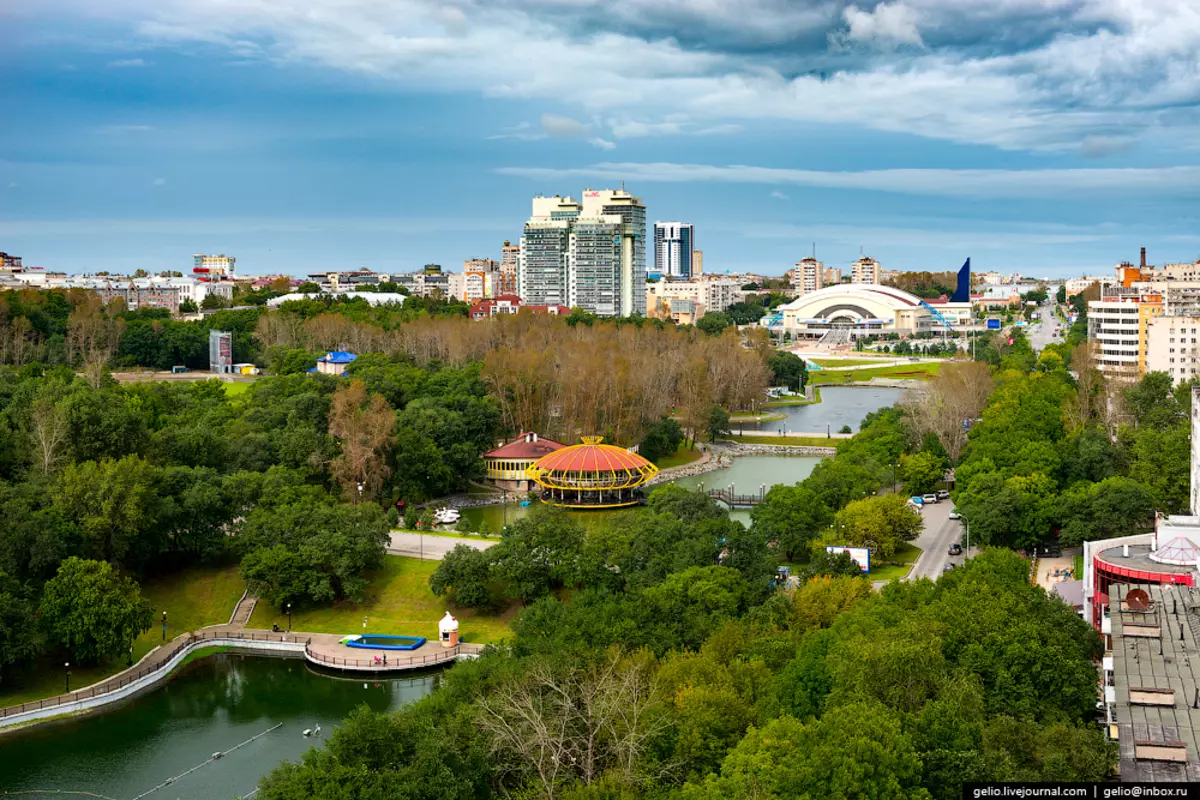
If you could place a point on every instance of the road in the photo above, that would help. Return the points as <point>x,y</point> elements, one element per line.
<point>1043,334</point>
<point>935,540</point>
<point>433,548</point>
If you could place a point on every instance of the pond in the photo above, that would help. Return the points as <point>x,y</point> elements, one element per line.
<point>747,474</point>
<point>840,405</point>
<point>213,705</point>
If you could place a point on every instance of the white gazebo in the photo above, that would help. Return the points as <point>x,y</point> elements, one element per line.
<point>448,631</point>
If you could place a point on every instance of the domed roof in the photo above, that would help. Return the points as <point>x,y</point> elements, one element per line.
<point>1180,551</point>
<point>592,456</point>
<point>448,624</point>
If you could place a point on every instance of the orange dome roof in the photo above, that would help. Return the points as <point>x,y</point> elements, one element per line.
<point>592,456</point>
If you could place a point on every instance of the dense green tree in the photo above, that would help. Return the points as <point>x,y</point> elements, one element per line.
<point>312,552</point>
<point>1116,506</point>
<point>921,472</point>
<point>717,424</point>
<point>854,752</point>
<point>662,439</point>
<point>1152,403</point>
<point>880,523</point>
<point>714,322</point>
<point>92,612</point>
<point>465,572</point>
<point>787,369</point>
<point>19,640</point>
<point>113,504</point>
<point>792,517</point>
<point>1016,512</point>
<point>538,553</point>
<point>1160,461</point>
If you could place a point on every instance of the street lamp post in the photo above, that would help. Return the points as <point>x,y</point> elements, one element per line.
<point>67,667</point>
<point>164,638</point>
<point>360,491</point>
<point>893,477</point>
<point>364,624</point>
<point>289,617</point>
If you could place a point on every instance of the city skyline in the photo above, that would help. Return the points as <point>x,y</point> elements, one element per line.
<point>340,136</point>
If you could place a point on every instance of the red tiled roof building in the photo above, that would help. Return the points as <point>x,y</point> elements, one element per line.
<point>506,464</point>
<point>511,304</point>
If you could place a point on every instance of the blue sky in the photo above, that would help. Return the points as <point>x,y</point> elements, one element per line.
<point>1046,136</point>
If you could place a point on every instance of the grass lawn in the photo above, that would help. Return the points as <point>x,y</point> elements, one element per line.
<point>906,554</point>
<point>192,599</point>
<point>799,401</point>
<point>233,389</point>
<point>845,362</point>
<point>908,371</point>
<point>795,441</point>
<point>682,455</point>
<point>398,602</point>
<point>1079,567</point>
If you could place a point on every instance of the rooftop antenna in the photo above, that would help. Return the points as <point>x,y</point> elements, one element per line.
<point>814,251</point>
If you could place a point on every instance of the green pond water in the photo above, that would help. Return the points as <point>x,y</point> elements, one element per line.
<point>211,706</point>
<point>747,475</point>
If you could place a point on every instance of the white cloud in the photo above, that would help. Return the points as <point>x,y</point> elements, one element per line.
<point>889,24</point>
<point>12,184</point>
<point>603,144</point>
<point>778,195</point>
<point>990,183</point>
<point>1017,74</point>
<point>128,62</point>
<point>555,125</point>
<point>160,181</point>
<point>522,131</point>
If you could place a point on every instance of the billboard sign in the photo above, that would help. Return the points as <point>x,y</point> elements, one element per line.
<point>993,324</point>
<point>861,555</point>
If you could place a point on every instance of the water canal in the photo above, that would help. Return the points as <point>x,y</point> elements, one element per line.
<point>840,405</point>
<point>211,706</point>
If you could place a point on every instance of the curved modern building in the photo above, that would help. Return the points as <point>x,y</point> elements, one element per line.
<point>591,475</point>
<point>867,308</point>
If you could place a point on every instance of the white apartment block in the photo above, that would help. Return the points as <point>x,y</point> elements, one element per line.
<point>213,267</point>
<point>807,276</point>
<point>865,270</point>
<point>1173,347</point>
<point>1077,285</point>
<point>1113,326</point>
<point>707,294</point>
<point>590,255</point>
<point>673,249</point>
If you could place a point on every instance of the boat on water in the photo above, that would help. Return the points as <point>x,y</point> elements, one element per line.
<point>446,516</point>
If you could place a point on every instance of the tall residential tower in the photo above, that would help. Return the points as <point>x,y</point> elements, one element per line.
<point>590,255</point>
<point>674,244</point>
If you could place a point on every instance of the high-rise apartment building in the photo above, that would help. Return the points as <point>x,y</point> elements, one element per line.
<point>480,279</point>
<point>674,247</point>
<point>590,255</point>
<point>697,263</point>
<point>807,276</point>
<point>833,275</point>
<point>1173,347</point>
<point>510,258</point>
<point>865,270</point>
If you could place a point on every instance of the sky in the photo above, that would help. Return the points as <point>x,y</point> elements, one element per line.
<point>1050,137</point>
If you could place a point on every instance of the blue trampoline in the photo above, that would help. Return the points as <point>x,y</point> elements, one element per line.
<point>378,641</point>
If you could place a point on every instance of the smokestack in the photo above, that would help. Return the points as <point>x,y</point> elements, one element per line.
<point>1143,258</point>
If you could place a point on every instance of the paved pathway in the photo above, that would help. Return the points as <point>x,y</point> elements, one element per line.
<point>432,548</point>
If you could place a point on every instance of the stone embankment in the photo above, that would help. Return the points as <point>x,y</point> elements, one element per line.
<point>730,450</point>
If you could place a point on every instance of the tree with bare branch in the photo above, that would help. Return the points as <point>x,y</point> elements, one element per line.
<point>951,400</point>
<point>362,422</point>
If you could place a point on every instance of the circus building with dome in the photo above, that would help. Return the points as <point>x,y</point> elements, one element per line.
<point>1168,556</point>
<point>591,475</point>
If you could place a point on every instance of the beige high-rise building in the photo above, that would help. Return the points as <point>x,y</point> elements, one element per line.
<point>865,270</point>
<point>833,275</point>
<point>510,259</point>
<point>1173,347</point>
<point>697,263</point>
<point>807,276</point>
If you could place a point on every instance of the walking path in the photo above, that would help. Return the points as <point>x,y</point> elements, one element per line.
<point>432,548</point>
<point>324,649</point>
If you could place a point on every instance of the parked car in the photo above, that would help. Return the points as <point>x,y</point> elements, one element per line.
<point>929,498</point>
<point>949,566</point>
<point>956,549</point>
<point>954,514</point>
<point>942,494</point>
